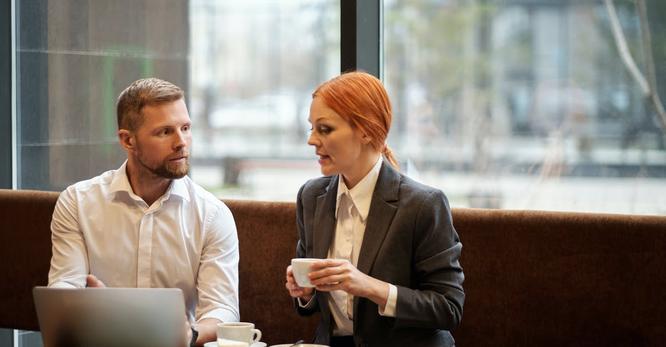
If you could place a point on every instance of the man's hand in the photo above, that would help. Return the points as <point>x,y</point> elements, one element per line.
<point>93,282</point>
<point>188,333</point>
<point>207,329</point>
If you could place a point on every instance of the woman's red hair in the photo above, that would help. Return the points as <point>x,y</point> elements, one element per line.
<point>360,99</point>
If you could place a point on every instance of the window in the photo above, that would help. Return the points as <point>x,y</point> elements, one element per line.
<point>527,104</point>
<point>254,67</point>
<point>248,68</point>
<point>73,59</point>
<point>521,104</point>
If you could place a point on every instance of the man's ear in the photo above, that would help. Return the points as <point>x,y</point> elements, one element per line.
<point>126,139</point>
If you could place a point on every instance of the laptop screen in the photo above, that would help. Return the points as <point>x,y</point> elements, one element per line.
<point>111,317</point>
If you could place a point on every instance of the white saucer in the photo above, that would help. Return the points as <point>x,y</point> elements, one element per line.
<point>256,344</point>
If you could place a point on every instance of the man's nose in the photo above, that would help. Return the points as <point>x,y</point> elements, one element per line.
<point>180,140</point>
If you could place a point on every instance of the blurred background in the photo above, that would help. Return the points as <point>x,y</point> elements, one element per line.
<point>516,104</point>
<point>502,104</point>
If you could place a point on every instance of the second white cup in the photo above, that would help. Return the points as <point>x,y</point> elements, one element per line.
<point>238,331</point>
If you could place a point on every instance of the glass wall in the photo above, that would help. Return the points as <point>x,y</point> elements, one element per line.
<point>539,104</point>
<point>530,104</point>
<point>248,68</point>
<point>254,65</point>
<point>74,58</point>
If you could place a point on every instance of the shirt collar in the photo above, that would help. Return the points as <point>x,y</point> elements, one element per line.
<point>120,183</point>
<point>178,188</point>
<point>361,194</point>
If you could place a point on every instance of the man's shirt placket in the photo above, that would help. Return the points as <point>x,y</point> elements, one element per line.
<point>144,256</point>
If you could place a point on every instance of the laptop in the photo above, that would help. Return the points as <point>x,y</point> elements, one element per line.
<point>111,317</point>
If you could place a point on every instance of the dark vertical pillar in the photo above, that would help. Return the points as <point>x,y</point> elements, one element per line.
<point>347,35</point>
<point>360,36</point>
<point>6,87</point>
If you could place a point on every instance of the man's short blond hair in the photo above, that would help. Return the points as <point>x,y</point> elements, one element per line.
<point>141,93</point>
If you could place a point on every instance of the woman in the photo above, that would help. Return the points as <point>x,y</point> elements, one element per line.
<point>389,274</point>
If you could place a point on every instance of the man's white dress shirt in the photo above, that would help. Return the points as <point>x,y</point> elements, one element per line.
<point>351,212</point>
<point>186,239</point>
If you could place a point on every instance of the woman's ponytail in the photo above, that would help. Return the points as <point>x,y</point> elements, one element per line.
<point>388,154</point>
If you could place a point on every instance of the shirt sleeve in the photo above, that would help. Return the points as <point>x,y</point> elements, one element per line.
<point>217,281</point>
<point>306,305</point>
<point>389,309</point>
<point>69,262</point>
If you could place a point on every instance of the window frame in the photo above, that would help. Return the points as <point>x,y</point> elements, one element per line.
<point>361,36</point>
<point>7,99</point>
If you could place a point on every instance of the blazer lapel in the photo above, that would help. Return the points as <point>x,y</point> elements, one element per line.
<point>324,220</point>
<point>380,216</point>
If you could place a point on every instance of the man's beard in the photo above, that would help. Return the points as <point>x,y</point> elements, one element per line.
<point>165,170</point>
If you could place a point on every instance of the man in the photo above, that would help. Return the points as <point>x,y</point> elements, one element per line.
<point>147,224</point>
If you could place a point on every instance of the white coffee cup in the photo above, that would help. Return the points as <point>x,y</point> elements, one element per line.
<point>238,331</point>
<point>301,268</point>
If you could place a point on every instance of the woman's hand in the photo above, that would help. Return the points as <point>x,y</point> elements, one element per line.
<point>339,274</point>
<point>294,290</point>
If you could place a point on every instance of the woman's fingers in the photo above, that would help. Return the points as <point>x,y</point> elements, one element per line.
<point>294,289</point>
<point>327,263</point>
<point>329,275</point>
<point>344,269</point>
<point>344,276</point>
<point>330,280</point>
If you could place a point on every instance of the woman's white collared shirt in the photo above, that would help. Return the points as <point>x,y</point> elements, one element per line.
<point>351,212</point>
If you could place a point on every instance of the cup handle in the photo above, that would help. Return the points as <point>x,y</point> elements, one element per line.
<point>257,335</point>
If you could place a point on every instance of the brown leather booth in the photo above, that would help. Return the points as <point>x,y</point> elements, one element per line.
<point>532,278</point>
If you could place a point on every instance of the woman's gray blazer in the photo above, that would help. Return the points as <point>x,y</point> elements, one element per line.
<point>409,242</point>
